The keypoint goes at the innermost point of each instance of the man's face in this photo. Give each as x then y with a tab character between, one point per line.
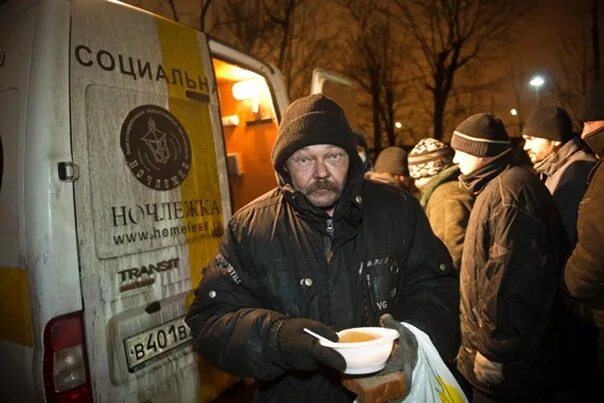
589	127
539	148
319	171
467	162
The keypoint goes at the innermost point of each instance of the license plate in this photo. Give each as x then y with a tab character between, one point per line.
155	342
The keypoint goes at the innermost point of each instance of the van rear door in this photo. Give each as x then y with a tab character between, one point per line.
152	198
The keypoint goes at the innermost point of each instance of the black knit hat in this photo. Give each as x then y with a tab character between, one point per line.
311	120
481	135
549	122
593	103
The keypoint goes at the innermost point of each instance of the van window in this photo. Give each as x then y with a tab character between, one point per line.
249	127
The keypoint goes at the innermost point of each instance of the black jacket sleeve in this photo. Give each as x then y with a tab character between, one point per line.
430	286
229	324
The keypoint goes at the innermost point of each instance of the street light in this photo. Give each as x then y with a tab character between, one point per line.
536	82
513	112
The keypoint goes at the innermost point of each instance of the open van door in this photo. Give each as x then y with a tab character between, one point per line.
251	96
153	133
339	88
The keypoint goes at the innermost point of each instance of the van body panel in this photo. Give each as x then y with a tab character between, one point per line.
16	337
43	250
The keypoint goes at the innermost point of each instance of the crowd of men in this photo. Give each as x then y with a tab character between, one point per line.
499	262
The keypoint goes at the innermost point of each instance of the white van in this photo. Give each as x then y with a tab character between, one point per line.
126	142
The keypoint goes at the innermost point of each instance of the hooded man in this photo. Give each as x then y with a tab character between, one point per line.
325	250
447	204
557	155
584	271
510	268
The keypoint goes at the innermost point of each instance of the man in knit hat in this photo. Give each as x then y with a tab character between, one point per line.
584	271
510	268
325	250
447	204
558	156
563	165
391	168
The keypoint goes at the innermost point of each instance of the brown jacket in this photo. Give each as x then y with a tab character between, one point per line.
448	206
584	272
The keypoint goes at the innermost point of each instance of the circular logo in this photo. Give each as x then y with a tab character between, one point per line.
156	147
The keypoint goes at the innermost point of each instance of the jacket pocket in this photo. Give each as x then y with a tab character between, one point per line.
382	281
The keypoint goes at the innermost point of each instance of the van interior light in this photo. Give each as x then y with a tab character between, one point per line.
246	89
230	120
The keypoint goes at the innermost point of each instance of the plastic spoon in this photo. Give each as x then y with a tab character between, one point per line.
324	341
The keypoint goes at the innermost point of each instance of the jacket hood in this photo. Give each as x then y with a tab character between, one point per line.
595	141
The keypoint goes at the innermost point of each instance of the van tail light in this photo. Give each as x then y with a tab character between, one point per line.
65	364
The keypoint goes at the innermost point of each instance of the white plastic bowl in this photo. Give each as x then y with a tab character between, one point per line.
365	357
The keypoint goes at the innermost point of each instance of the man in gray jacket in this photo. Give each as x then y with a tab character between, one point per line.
559	158
564	166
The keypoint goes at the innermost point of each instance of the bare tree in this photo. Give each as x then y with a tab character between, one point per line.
449	34
569	86
375	63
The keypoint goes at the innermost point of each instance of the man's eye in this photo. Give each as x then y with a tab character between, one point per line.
335	157
303	161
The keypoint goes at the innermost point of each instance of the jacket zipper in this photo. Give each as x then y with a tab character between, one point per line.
330	227
330	231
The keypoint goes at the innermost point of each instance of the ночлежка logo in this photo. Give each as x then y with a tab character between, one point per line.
156	147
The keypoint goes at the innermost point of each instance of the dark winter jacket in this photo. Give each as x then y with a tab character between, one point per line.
509	276
584	272
448	205
565	173
282	257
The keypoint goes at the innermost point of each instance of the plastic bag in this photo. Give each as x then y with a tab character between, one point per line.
432	381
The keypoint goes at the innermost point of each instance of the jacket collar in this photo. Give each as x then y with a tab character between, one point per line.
446	175
476	181
554	161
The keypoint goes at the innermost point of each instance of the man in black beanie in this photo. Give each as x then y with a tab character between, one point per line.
584	271
558	156
563	165
325	250
509	270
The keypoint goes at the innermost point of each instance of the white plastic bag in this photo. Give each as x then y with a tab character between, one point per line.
432	381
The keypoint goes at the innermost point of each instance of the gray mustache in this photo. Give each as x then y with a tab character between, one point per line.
322	184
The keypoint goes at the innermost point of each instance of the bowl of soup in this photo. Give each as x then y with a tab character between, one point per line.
365	349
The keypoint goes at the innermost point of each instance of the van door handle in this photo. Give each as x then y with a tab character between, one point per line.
68	171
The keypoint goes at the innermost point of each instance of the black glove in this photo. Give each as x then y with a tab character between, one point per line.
301	351
404	354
